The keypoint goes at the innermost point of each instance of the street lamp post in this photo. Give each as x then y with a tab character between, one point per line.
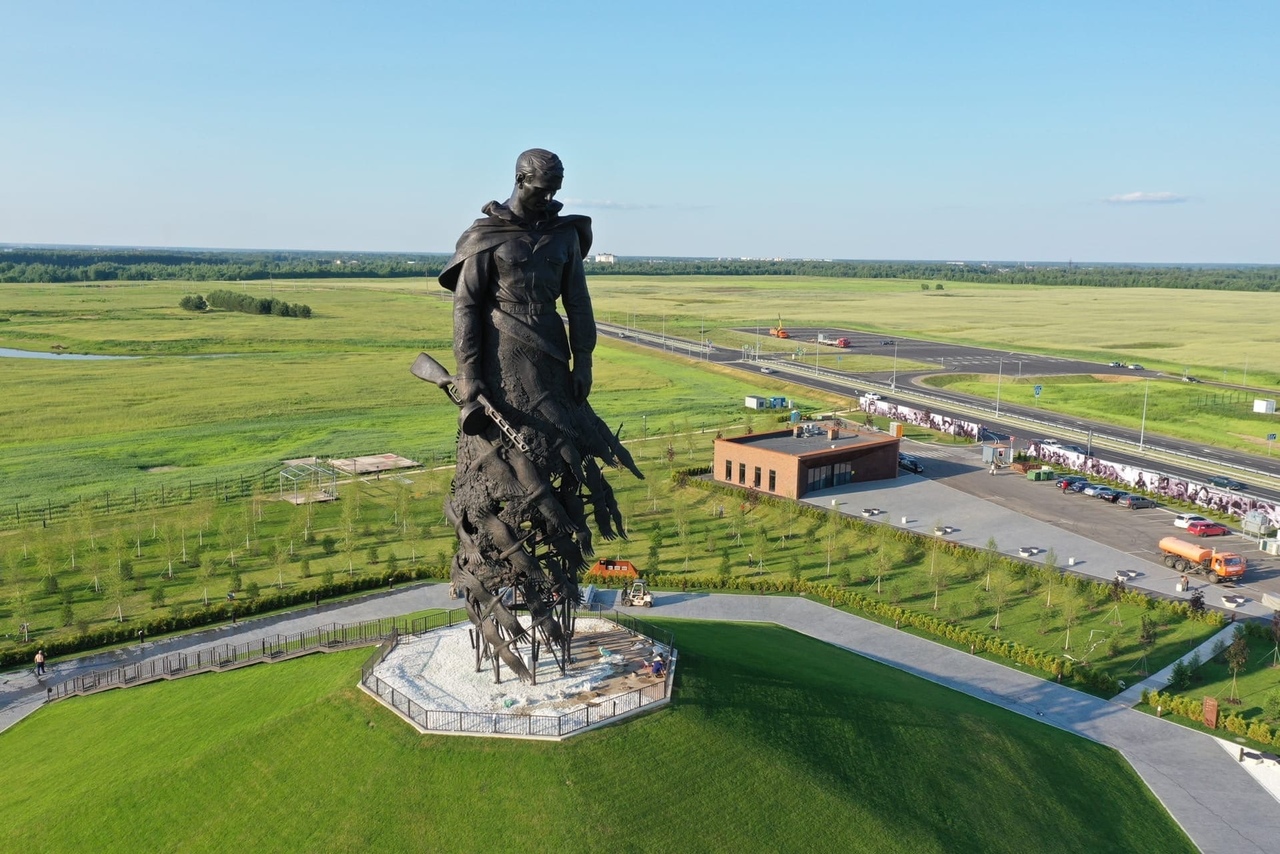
1142	433
893	383
999	377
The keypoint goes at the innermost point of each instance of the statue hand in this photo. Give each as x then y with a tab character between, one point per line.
581	382
470	388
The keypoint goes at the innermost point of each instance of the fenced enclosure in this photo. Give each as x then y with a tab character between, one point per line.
523	725
387	633
337	636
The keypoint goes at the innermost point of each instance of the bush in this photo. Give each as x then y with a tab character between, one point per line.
1271	706
1180	677
329	545
49	584
157	597
305	568
235	581
251	590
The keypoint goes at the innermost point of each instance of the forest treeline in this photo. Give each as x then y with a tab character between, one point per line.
105	265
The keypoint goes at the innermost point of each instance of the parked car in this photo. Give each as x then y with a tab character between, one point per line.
1207	529
1106	493
1226	483
1094	490
1190	379
1069	479
1135	502
1183	520
1081	485
910	463
1135	367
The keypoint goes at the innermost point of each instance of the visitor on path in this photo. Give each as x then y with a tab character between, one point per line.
39	662
1184	585
658	667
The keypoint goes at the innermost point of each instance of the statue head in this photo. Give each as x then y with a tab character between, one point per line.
539	174
538	161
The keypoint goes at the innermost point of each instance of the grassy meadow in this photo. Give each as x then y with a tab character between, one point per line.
225	394
1184	410
774	741
1204	332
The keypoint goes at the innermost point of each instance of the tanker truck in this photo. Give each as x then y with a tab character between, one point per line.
1182	556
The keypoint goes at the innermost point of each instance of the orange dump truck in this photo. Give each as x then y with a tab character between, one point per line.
1182	556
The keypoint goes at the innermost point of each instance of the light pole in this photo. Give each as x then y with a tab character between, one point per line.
999	377
893	383
1142	433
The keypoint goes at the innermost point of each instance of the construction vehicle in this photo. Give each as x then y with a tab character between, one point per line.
834	341
1182	556
779	331
637	595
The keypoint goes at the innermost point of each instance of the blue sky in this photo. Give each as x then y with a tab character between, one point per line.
1142	132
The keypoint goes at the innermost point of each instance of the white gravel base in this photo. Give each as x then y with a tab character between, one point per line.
437	671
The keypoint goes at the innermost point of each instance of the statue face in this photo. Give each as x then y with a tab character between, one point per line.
536	191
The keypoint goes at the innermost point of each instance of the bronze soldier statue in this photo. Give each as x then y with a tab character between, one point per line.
530	448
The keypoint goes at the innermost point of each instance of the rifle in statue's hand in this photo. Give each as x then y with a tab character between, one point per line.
475	416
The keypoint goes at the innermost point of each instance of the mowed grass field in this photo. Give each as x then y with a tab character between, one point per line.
774	742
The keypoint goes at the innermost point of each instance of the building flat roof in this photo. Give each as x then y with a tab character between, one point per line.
814	441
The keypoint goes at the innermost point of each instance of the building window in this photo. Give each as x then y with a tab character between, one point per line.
756	480
773	481
742	472
728	470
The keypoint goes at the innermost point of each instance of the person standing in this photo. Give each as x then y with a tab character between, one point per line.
40	662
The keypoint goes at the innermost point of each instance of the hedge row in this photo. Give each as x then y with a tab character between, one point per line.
183	619
977	641
1193	710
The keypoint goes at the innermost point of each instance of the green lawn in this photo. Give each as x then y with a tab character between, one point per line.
774	742
1173	408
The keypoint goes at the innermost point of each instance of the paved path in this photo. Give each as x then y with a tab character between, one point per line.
1208	792
21	693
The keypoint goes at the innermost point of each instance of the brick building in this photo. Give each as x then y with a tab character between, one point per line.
808	457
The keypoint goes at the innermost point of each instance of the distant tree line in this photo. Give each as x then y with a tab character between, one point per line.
232	301
146	265
93	265
1228	278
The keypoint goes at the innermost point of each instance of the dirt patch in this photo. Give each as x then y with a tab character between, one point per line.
158	469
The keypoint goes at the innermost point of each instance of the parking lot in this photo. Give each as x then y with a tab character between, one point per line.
956	490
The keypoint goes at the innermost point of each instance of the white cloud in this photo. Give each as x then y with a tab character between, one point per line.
1141	198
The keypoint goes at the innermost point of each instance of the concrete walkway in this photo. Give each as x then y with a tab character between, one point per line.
1159	680
1209	793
